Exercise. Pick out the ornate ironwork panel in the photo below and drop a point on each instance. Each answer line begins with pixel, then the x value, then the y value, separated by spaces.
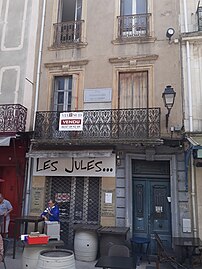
pixel 12 118
pixel 160 200
pixel 67 32
pixel 103 125
pixel 139 203
pixel 137 25
pixel 142 167
pixel 79 202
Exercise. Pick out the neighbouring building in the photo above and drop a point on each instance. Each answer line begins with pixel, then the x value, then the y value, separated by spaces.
pixel 103 146
pixel 18 32
pixel 191 40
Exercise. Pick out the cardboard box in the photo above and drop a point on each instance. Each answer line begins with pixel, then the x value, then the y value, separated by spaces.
pixel 40 239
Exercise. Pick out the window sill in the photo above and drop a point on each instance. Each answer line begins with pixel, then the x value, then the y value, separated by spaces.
pixel 69 46
pixel 132 40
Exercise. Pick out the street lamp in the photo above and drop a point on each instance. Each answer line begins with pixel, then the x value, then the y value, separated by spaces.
pixel 169 98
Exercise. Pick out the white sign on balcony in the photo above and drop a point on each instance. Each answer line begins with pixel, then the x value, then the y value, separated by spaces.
pixel 94 167
pixel 71 121
pixel 97 95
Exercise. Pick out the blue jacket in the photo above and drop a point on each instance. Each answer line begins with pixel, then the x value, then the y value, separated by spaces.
pixel 54 213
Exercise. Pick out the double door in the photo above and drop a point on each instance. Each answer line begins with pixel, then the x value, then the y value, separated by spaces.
pixel 151 209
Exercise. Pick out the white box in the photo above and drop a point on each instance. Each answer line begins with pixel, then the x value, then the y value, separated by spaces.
pixel 52 229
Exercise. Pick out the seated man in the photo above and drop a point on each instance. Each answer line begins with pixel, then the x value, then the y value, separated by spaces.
pixel 51 213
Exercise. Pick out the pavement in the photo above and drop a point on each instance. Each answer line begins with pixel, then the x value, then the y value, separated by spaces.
pixel 17 262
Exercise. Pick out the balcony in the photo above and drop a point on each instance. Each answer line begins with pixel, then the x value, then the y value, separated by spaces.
pixel 101 126
pixel 12 118
pixel 66 33
pixel 133 26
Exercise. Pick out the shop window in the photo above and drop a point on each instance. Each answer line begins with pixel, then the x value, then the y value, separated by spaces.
pixel 79 202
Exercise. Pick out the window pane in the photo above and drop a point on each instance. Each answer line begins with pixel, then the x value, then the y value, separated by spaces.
pixel 68 10
pixel 71 10
pixel 79 9
pixel 60 108
pixel 70 83
pixel 129 7
pixel 60 84
pixel 126 7
pixel 60 97
pixel 141 6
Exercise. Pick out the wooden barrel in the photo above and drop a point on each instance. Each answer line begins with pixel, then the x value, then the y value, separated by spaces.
pixel 30 255
pixel 85 245
pixel 59 258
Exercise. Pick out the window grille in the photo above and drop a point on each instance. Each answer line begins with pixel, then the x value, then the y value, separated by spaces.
pixel 79 202
pixel 199 15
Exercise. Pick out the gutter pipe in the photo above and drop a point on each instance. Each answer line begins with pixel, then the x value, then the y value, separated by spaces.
pixel 29 176
pixel 189 86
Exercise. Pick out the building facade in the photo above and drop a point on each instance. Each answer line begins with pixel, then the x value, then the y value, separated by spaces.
pixel 17 52
pixel 191 14
pixel 103 146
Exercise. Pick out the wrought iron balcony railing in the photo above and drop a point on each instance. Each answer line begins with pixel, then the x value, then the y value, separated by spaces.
pixel 102 126
pixel 199 15
pixel 137 25
pixel 12 118
pixel 67 33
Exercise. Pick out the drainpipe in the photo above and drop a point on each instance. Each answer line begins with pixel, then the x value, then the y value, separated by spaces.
pixel 39 62
pixel 29 176
pixel 189 86
pixel 28 186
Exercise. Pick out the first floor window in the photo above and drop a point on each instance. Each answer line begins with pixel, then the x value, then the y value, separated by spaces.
pixel 63 93
pixel 133 90
pixel 134 18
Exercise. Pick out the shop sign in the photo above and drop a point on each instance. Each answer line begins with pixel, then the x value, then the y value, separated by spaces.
pixel 108 203
pixel 71 121
pixel 97 167
pixel 37 199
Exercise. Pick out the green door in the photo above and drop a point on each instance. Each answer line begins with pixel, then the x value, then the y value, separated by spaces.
pixel 151 209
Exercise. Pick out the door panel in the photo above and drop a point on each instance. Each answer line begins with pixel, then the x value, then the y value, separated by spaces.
pixel 140 209
pixel 151 209
pixel 160 211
